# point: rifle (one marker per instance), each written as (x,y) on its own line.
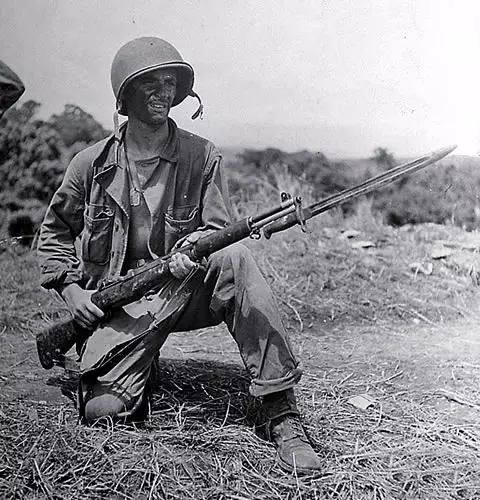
(58,339)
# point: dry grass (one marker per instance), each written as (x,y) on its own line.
(322,279)
(205,440)
(201,444)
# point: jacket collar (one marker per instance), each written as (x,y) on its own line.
(112,176)
(170,152)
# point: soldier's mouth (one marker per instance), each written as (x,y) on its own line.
(160,105)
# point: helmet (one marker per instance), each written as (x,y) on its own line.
(145,54)
(11,87)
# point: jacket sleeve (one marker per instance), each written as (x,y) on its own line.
(216,209)
(63,223)
(216,205)
(11,87)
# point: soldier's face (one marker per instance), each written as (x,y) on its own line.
(149,97)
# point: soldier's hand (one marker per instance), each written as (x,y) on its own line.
(83,310)
(181,265)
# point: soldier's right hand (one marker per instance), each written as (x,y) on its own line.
(83,310)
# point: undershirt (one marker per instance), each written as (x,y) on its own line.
(153,175)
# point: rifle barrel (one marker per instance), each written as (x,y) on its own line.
(272,211)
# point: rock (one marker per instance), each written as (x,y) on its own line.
(350,233)
(440,252)
(329,232)
(362,401)
(426,269)
(362,244)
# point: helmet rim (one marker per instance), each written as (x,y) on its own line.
(185,78)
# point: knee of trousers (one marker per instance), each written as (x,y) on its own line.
(104,405)
(237,255)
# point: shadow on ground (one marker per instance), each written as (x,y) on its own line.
(201,390)
(210,391)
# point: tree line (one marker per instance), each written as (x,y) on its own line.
(34,154)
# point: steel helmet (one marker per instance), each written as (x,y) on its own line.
(144,54)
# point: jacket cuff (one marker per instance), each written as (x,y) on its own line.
(56,280)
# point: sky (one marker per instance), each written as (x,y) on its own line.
(336,76)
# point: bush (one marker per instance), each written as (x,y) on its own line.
(74,125)
(264,174)
(446,194)
(31,156)
(34,153)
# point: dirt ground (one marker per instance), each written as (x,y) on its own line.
(435,365)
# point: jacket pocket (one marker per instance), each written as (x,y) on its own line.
(97,236)
(180,221)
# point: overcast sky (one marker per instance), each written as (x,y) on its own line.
(336,76)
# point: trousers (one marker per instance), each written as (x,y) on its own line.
(117,358)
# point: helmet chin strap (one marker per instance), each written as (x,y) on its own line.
(199,112)
(117,138)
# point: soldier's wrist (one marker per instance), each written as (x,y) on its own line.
(64,288)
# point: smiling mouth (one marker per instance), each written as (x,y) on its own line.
(158,105)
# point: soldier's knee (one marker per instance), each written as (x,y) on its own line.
(236,253)
(104,405)
(236,258)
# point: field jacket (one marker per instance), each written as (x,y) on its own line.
(84,236)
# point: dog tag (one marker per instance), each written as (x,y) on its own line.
(134,197)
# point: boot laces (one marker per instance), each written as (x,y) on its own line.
(296,426)
(289,428)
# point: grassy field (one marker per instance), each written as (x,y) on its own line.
(389,315)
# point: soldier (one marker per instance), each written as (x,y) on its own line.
(133,197)
(11,88)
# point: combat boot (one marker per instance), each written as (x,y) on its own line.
(285,430)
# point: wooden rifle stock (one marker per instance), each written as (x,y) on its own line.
(55,341)
(58,339)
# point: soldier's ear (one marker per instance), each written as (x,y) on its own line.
(125,98)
